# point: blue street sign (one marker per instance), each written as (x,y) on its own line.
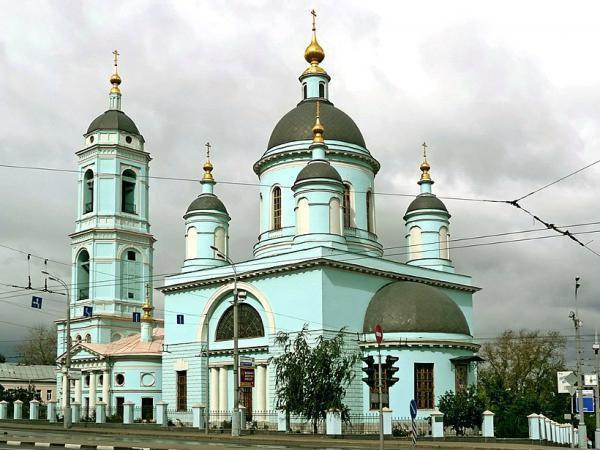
(87,311)
(588,402)
(36,302)
(137,317)
(413,409)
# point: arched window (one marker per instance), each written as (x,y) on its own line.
(78,338)
(276,213)
(334,216)
(250,323)
(302,217)
(88,191)
(415,243)
(191,243)
(83,275)
(304,91)
(444,244)
(128,191)
(131,275)
(115,337)
(347,206)
(370,217)
(220,240)
(322,90)
(88,338)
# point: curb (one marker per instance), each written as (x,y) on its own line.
(69,446)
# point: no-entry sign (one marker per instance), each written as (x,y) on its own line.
(378,334)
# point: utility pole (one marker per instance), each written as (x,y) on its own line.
(380,391)
(577,323)
(596,347)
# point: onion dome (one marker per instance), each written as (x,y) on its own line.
(318,169)
(314,53)
(408,306)
(206,202)
(426,201)
(113,119)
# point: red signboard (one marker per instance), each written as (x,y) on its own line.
(246,377)
(378,334)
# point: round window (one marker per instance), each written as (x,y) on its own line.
(119,379)
(128,139)
(147,379)
(91,139)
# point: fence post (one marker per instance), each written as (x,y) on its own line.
(34,409)
(570,434)
(75,412)
(3,410)
(548,432)
(51,412)
(281,421)
(387,421)
(488,424)
(128,412)
(161,413)
(333,422)
(18,410)
(554,430)
(437,424)
(101,412)
(533,420)
(198,416)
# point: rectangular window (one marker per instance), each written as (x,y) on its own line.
(179,319)
(48,395)
(461,376)
(181,390)
(424,395)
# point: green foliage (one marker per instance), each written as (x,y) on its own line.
(312,377)
(39,347)
(462,409)
(12,395)
(2,358)
(519,378)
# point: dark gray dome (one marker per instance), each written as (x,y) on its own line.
(318,169)
(207,202)
(113,120)
(297,125)
(407,306)
(426,201)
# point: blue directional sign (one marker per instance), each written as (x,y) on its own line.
(136,317)
(413,409)
(588,402)
(36,302)
(87,311)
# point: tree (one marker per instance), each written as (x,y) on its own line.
(310,379)
(518,378)
(462,409)
(39,347)
(2,358)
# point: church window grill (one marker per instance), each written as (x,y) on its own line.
(302,217)
(444,243)
(334,216)
(370,215)
(128,179)
(415,243)
(322,90)
(276,225)
(461,376)
(220,240)
(191,243)
(424,386)
(83,275)
(250,323)
(181,390)
(131,275)
(88,191)
(347,206)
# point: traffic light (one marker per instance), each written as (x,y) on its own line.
(390,370)
(370,379)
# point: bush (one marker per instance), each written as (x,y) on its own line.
(462,409)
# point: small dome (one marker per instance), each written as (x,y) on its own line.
(113,120)
(407,306)
(426,201)
(318,169)
(297,125)
(207,202)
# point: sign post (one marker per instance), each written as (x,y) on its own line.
(413,416)
(379,339)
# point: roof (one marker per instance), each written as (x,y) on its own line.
(17,372)
(130,345)
(318,169)
(113,120)
(407,306)
(207,202)
(297,125)
(426,201)
(466,359)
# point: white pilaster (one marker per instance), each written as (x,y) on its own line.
(93,387)
(223,403)
(261,388)
(214,389)
(105,386)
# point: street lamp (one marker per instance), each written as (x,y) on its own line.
(67,393)
(235,420)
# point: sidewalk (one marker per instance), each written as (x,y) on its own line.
(84,435)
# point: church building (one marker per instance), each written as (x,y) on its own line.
(318,261)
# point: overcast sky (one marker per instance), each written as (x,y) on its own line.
(506,94)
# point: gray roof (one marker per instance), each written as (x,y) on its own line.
(426,201)
(16,372)
(407,306)
(206,202)
(297,125)
(318,169)
(113,120)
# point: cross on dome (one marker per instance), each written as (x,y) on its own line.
(208,167)
(115,79)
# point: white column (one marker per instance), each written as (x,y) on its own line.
(261,389)
(223,404)
(64,390)
(92,391)
(214,389)
(105,386)
(78,391)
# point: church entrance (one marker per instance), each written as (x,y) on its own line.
(246,401)
(120,401)
(147,408)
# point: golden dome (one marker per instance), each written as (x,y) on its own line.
(115,79)
(314,53)
(425,165)
(318,128)
(208,167)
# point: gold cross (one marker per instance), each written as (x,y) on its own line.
(116,53)
(424,150)
(314,14)
(207,150)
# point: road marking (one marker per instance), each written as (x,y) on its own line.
(13,442)
(42,444)
(73,446)
(105,447)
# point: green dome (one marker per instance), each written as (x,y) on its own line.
(318,169)
(426,201)
(297,125)
(113,120)
(407,306)
(207,202)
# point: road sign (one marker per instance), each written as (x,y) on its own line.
(413,409)
(378,334)
(566,379)
(246,377)
(246,361)
(588,402)
(590,379)
(75,374)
